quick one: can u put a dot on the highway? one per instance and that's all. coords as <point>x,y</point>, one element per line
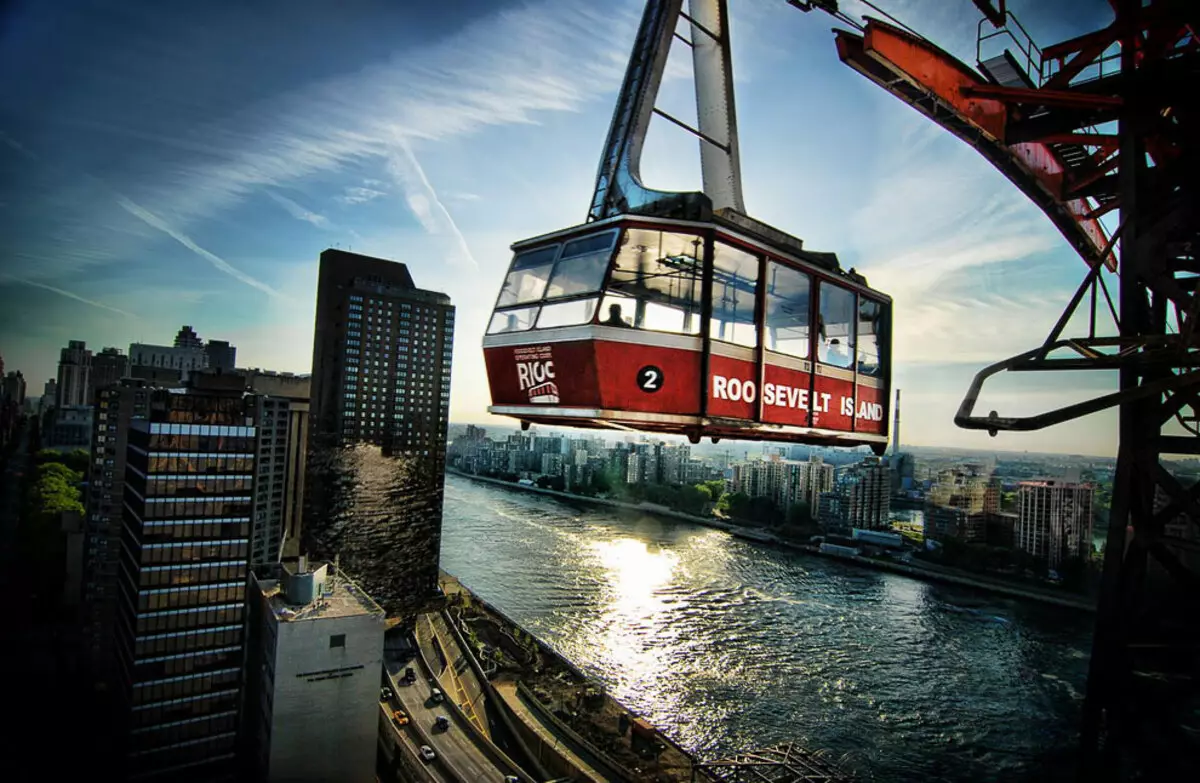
<point>457,752</point>
<point>410,742</point>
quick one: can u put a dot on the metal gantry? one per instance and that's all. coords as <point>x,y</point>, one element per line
<point>1105,122</point>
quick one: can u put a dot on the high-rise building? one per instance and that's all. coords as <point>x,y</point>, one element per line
<point>279,476</point>
<point>74,376</point>
<point>117,405</point>
<point>221,355</point>
<point>189,478</point>
<point>869,493</point>
<point>1054,519</point>
<point>380,409</point>
<point>108,367</point>
<point>960,503</point>
<point>14,387</point>
<point>49,396</point>
<point>186,337</point>
<point>312,689</point>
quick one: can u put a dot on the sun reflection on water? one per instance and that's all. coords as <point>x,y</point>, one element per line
<point>636,614</point>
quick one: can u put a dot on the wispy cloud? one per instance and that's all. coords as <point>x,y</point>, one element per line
<point>424,202</point>
<point>16,146</point>
<point>143,214</point>
<point>479,77</point>
<point>360,195</point>
<point>67,294</point>
<point>297,211</point>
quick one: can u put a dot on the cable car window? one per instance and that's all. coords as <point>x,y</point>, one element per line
<point>581,267</point>
<point>526,281</point>
<point>870,331</point>
<point>656,282</point>
<point>578,311</point>
<point>735,279</point>
<point>787,310</point>
<point>516,320</point>
<point>835,345</point>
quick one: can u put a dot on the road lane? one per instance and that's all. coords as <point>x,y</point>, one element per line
<point>409,743</point>
<point>454,746</point>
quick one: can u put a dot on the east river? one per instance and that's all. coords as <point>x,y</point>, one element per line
<point>729,645</point>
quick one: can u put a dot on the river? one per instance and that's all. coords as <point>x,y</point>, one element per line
<point>729,645</point>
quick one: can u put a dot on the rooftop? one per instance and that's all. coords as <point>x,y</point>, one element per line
<point>333,594</point>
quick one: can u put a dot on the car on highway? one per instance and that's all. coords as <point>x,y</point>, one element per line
<point>436,695</point>
<point>427,753</point>
<point>410,675</point>
<point>441,723</point>
<point>385,693</point>
<point>400,718</point>
<point>511,779</point>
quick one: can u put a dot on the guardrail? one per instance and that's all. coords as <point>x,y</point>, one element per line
<point>494,754</point>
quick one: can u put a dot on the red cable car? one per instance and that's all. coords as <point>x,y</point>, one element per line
<point>677,313</point>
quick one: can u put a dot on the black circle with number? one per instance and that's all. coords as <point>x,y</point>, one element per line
<point>650,378</point>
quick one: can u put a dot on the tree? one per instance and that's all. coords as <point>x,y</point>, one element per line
<point>76,460</point>
<point>800,514</point>
<point>739,505</point>
<point>716,488</point>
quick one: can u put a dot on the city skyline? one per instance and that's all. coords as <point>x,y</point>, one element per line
<point>215,218</point>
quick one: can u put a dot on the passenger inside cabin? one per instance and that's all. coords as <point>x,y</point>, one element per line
<point>614,317</point>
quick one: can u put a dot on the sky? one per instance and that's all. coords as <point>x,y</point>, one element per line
<point>165,164</point>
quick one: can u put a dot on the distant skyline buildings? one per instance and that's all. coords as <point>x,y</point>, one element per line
<point>74,376</point>
<point>187,354</point>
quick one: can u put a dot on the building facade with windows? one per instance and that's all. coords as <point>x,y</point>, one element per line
<point>379,414</point>
<point>189,481</point>
<point>314,658</point>
<point>116,407</point>
<point>1054,520</point>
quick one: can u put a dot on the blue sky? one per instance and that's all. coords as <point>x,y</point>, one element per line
<point>163,164</point>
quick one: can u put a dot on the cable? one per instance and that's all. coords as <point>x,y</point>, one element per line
<point>898,23</point>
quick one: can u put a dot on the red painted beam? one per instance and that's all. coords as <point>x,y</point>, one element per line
<point>921,74</point>
<point>1065,98</point>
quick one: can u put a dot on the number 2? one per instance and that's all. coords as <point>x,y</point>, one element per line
<point>651,380</point>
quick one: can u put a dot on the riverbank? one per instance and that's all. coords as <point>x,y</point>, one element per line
<point>942,575</point>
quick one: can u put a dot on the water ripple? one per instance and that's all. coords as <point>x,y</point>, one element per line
<point>728,645</point>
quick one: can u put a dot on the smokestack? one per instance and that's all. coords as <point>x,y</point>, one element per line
<point>896,426</point>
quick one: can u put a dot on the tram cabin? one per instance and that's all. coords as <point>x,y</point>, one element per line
<point>706,329</point>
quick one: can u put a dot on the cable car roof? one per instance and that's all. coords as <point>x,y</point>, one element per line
<point>744,229</point>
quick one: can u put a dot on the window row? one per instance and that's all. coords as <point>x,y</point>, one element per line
<point>656,283</point>
<point>204,443</point>
<point>188,663</point>
<point>191,596</point>
<point>200,463</point>
<point>158,736</point>
<point>150,692</point>
<point>194,552</point>
<point>161,576</point>
<point>171,508</point>
<point>187,640</point>
<point>196,486</point>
